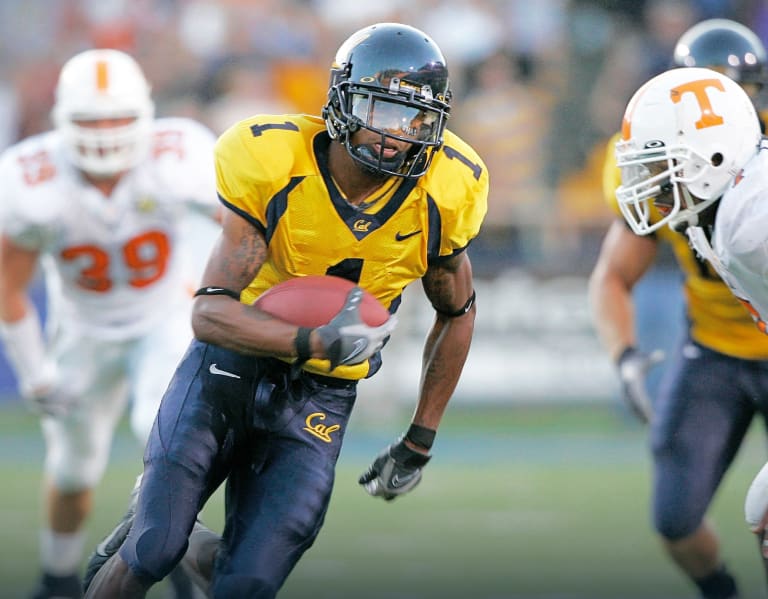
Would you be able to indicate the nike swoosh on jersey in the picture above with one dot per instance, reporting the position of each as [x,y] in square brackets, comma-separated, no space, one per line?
[216,370]
[401,237]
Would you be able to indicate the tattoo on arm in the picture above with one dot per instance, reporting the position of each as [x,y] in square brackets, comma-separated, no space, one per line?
[442,284]
[239,259]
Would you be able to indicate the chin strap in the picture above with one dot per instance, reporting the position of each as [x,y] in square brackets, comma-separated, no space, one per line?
[696,213]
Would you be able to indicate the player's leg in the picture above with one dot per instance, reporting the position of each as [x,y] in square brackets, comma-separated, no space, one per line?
[153,362]
[77,451]
[187,457]
[702,417]
[275,510]
[201,555]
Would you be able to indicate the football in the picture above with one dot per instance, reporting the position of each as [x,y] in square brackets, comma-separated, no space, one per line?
[312,301]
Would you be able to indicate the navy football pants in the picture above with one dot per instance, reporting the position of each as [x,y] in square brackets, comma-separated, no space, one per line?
[705,406]
[275,441]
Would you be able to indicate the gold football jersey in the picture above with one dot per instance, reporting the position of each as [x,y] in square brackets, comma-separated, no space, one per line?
[716,318]
[273,171]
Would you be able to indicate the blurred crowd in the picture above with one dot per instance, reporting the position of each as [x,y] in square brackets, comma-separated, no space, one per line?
[539,86]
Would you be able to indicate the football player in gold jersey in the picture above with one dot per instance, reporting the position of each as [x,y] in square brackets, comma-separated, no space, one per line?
[376,191]
[697,422]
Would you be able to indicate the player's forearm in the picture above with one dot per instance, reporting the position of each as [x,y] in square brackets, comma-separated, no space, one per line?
[227,323]
[445,353]
[613,314]
[25,348]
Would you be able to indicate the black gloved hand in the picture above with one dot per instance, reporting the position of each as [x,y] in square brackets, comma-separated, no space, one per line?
[633,366]
[395,471]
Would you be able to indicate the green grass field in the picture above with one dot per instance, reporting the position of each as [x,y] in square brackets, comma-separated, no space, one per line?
[522,502]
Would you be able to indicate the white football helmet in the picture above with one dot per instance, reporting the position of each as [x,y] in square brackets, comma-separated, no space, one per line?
[685,136]
[103,84]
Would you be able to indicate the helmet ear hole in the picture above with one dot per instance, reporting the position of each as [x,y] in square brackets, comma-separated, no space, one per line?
[716,159]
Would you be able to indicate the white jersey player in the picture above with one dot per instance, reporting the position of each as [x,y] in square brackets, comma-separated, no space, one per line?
[102,203]
[692,151]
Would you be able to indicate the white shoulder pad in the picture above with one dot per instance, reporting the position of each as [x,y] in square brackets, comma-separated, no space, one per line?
[35,183]
[182,160]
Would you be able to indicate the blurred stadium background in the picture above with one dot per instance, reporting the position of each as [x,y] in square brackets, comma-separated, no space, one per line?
[540,484]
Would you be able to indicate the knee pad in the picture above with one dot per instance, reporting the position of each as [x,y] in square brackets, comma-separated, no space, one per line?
[674,522]
[152,556]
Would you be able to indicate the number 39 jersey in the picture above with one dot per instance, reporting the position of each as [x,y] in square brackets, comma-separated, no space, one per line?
[273,171]
[113,263]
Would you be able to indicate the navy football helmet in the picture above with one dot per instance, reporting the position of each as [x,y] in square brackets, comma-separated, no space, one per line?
[391,79]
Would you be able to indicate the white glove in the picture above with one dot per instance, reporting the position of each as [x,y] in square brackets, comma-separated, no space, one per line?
[633,367]
[54,404]
[347,339]
[43,396]
[37,374]
[48,399]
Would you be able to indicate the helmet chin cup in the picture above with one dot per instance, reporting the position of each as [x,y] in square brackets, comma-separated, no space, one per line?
[680,224]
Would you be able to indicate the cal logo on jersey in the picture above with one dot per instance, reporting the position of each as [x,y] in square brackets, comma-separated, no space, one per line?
[314,426]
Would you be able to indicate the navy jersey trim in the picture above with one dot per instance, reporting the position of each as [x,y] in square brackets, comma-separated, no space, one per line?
[278,205]
[359,223]
[441,259]
[435,230]
[249,217]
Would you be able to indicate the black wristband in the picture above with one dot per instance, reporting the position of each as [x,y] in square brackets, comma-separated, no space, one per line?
[301,343]
[461,311]
[421,436]
[218,291]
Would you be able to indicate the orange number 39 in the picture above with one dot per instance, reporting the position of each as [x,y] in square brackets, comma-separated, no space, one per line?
[145,255]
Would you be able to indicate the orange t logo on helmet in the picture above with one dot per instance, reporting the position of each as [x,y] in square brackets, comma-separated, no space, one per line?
[699,89]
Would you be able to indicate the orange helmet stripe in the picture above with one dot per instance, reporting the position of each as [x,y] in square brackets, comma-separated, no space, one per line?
[102,76]
[626,122]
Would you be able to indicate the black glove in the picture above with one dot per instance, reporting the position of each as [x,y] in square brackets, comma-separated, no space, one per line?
[347,339]
[633,366]
[395,471]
